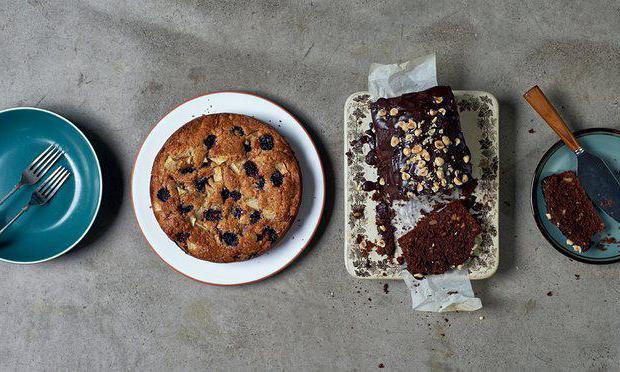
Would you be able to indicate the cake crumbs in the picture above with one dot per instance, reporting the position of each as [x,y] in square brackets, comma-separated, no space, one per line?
[349,155]
[608,240]
[606,203]
[357,212]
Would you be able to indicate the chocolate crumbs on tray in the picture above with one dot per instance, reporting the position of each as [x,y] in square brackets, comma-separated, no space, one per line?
[379,265]
[357,211]
[606,203]
[419,149]
[349,155]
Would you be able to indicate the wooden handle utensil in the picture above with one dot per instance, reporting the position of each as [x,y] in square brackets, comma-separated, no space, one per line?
[539,102]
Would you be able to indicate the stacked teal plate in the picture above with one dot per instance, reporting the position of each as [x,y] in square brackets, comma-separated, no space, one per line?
[604,143]
[45,232]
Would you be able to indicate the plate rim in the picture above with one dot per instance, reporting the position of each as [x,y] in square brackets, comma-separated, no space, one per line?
[319,219]
[534,205]
[100,191]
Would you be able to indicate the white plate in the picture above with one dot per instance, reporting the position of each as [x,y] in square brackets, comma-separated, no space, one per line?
[479,114]
[300,233]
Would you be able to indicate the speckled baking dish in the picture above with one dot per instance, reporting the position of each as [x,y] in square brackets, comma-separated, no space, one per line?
[479,113]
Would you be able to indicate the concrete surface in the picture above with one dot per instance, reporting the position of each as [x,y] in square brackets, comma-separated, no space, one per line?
[116,67]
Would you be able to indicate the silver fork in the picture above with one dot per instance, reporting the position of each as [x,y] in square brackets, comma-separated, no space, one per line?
[44,193]
[39,166]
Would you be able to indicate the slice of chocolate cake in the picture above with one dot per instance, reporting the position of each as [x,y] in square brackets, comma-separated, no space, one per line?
[441,240]
[419,145]
[570,209]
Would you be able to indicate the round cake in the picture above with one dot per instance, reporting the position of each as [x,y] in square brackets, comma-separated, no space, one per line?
[225,187]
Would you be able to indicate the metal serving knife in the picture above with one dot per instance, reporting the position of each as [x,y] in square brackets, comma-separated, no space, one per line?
[594,175]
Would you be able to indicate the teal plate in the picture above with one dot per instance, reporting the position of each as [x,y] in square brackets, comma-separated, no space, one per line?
[604,143]
[46,232]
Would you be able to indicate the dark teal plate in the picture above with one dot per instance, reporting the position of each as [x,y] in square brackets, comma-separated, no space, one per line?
[45,232]
[604,143]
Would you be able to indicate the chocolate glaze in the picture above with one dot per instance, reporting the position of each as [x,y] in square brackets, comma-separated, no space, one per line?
[420,148]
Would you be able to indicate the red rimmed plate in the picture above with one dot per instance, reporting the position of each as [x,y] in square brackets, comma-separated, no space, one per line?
[299,235]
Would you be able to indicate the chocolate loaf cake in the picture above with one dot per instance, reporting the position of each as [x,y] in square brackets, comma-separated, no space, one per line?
[570,209]
[441,240]
[419,145]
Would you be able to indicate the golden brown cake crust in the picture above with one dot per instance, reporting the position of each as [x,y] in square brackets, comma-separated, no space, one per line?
[225,187]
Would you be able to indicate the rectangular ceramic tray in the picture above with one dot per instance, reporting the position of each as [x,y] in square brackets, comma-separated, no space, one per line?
[479,113]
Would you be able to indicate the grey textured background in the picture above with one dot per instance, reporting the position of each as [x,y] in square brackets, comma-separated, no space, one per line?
[116,67]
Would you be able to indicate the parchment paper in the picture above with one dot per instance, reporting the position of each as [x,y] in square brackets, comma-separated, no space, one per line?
[450,291]
[397,79]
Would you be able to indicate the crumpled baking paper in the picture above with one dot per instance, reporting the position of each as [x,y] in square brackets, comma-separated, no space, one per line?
[397,79]
[450,291]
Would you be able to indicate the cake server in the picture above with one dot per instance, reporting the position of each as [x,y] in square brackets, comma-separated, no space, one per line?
[594,175]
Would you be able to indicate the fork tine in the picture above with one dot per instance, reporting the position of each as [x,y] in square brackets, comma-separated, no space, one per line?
[53,182]
[46,159]
[51,186]
[48,164]
[42,162]
[49,179]
[57,185]
[41,156]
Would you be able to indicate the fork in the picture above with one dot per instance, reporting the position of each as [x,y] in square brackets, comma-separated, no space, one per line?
[39,166]
[44,193]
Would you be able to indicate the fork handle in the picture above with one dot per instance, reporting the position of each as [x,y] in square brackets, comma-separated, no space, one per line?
[18,215]
[11,193]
